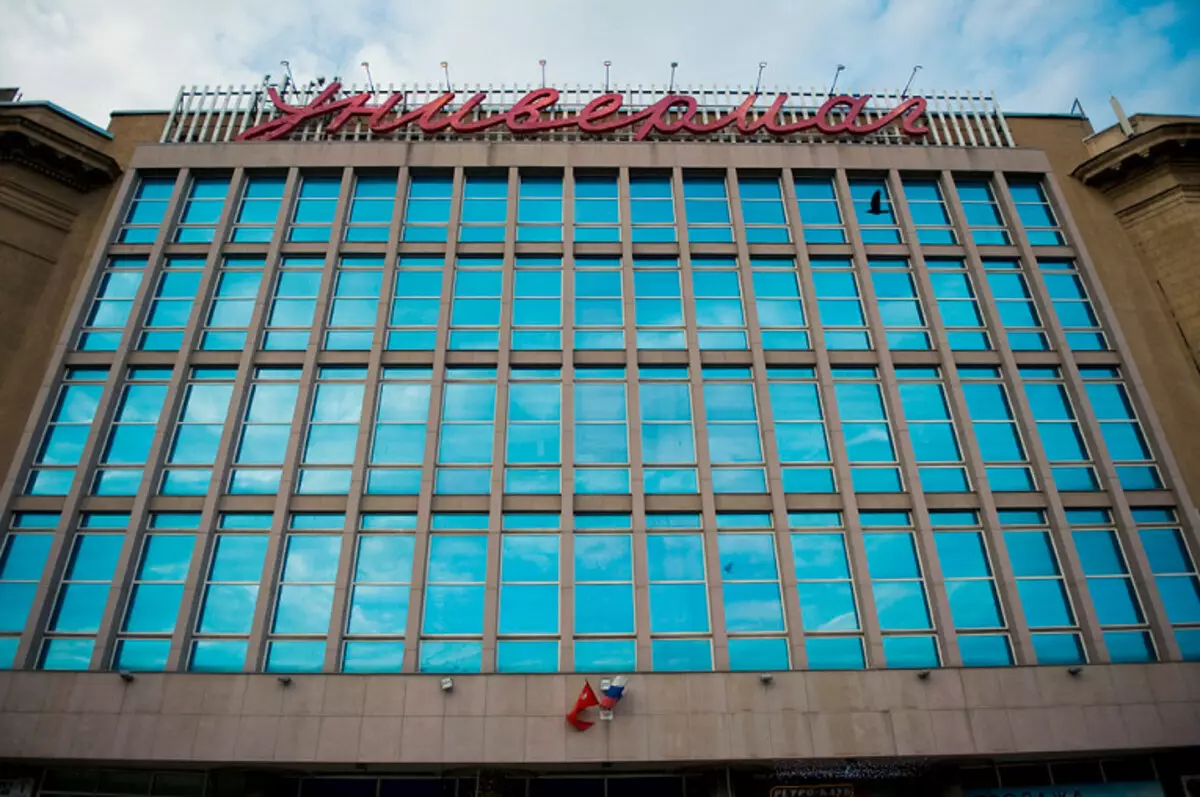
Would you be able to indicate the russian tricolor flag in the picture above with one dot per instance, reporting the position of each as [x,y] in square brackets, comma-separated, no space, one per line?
[612,695]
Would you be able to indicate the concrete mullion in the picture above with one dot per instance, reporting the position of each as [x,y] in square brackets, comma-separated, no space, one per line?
[641,576]
[1069,563]
[855,547]
[1151,426]
[1002,571]
[708,506]
[789,588]
[416,601]
[491,604]
[189,608]
[43,403]
[260,628]
[1135,556]
[366,430]
[566,548]
[64,534]
[931,568]
[177,388]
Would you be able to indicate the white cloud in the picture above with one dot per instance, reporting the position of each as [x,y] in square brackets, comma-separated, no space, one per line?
[91,57]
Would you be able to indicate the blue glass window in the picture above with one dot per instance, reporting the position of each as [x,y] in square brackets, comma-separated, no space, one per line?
[651,207]
[294,303]
[1114,596]
[475,309]
[839,304]
[537,303]
[604,613]
[1072,306]
[468,422]
[601,431]
[146,210]
[869,446]
[668,441]
[678,595]
[1035,212]
[828,608]
[316,207]
[533,450]
[357,286]
[599,309]
[1174,570]
[1040,585]
[427,209]
[528,605]
[178,285]
[230,595]
[266,426]
[763,213]
[484,208]
[597,208]
[417,302]
[982,213]
[731,420]
[800,434]
[899,588]
[378,615]
[778,304]
[398,444]
[706,204]
[23,557]
[817,203]
[115,292]
[658,303]
[970,588]
[717,292]
[904,324]
[259,209]
[874,227]
[232,304]
[83,593]
[996,432]
[454,596]
[928,211]
[753,601]
[304,599]
[958,305]
[540,207]
[202,209]
[123,458]
[371,208]
[332,435]
[1070,462]
[66,431]
[1119,426]
[197,434]
[936,451]
[1018,314]
[154,600]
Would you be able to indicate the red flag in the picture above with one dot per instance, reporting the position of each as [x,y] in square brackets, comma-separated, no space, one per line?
[586,699]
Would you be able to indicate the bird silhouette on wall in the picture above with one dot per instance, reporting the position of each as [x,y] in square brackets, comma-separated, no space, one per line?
[876,208]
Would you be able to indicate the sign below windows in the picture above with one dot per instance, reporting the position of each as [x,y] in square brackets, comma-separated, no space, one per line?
[837,790]
[673,114]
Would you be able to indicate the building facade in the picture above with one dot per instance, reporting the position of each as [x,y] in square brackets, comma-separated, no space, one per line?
[359,449]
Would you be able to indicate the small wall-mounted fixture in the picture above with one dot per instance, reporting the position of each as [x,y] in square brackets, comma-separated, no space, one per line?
[923,675]
[126,676]
[1076,671]
[766,678]
[286,680]
[447,684]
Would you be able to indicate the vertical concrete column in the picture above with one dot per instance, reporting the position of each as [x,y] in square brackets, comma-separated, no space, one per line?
[566,546]
[855,549]
[1002,571]
[1069,563]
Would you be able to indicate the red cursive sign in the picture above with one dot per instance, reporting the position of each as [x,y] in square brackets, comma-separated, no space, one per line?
[672,114]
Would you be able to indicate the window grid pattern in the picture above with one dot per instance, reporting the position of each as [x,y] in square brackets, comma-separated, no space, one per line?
[601,446]
[201,210]
[1072,306]
[355,303]
[605,620]
[820,216]
[452,619]
[144,641]
[1120,428]
[777,301]
[379,597]
[731,421]
[331,438]
[599,307]
[197,434]
[936,450]
[66,432]
[870,447]
[230,593]
[537,304]
[753,600]
[540,208]
[1004,455]
[1110,586]
[1058,428]
[416,303]
[717,290]
[484,208]
[401,426]
[1175,576]
[475,306]
[1040,585]
[958,305]
[873,210]
[927,208]
[1035,213]
[982,213]
[597,208]
[658,303]
[706,203]
[528,616]
[800,434]
[178,285]
[839,304]
[970,584]
[258,209]
[898,584]
[668,438]
[146,211]
[371,208]
[427,207]
[261,445]
[904,323]
[316,206]
[763,212]
[304,595]
[123,457]
[651,208]
[294,303]
[833,635]
[109,310]
[23,555]
[232,306]
[533,443]
[680,630]
[1018,314]
[468,422]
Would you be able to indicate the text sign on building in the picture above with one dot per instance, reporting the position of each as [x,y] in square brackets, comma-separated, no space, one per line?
[674,113]
[838,790]
[1138,789]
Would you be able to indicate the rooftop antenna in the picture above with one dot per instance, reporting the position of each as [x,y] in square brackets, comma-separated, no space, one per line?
[907,85]
[671,85]
[1122,119]
[758,81]
[542,64]
[370,83]
[1079,105]
[833,85]
[446,71]
[607,66]
[287,78]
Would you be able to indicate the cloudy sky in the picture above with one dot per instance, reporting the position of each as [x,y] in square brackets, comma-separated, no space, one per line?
[92,56]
